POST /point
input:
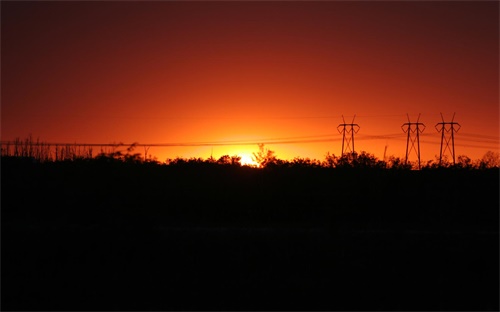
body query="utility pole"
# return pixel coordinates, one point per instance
(413, 129)
(449, 128)
(350, 130)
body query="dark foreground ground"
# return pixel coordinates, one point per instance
(79, 236)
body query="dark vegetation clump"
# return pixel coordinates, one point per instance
(117, 232)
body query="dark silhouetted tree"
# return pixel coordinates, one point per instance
(236, 160)
(490, 160)
(464, 162)
(394, 162)
(265, 157)
(224, 160)
(305, 163)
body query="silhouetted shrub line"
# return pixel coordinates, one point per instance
(108, 233)
(265, 158)
(94, 191)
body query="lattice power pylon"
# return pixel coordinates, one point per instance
(348, 131)
(413, 129)
(448, 128)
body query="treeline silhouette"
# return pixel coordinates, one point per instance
(119, 232)
(45, 152)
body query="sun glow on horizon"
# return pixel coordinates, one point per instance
(247, 160)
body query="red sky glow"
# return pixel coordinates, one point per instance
(281, 73)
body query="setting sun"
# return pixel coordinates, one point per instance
(247, 160)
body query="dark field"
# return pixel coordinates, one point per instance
(97, 235)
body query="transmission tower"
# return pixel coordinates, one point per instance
(348, 131)
(413, 129)
(449, 128)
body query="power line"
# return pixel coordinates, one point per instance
(280, 140)
(190, 144)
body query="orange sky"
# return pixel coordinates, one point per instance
(183, 72)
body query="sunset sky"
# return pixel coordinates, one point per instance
(229, 73)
